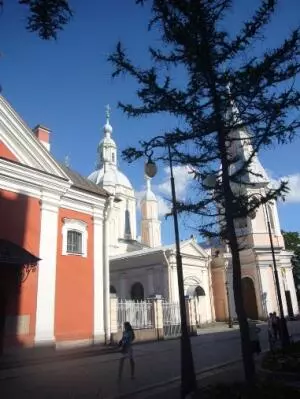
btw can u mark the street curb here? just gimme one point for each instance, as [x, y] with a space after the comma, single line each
[175, 380]
[91, 351]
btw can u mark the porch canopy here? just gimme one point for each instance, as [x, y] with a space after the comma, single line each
[14, 254]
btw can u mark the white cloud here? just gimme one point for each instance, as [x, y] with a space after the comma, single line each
[163, 189]
[164, 206]
[182, 179]
[293, 195]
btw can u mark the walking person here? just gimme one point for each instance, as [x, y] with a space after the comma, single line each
[271, 334]
[275, 325]
[126, 350]
[254, 338]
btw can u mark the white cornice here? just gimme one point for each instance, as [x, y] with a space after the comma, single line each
[26, 146]
[24, 180]
[20, 174]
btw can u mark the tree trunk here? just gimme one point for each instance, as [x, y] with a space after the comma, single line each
[249, 366]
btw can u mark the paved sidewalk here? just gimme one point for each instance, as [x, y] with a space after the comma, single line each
[227, 374]
[35, 356]
[158, 369]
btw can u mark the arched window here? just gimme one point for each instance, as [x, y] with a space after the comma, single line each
[75, 236]
[113, 157]
[74, 242]
[137, 292]
[199, 291]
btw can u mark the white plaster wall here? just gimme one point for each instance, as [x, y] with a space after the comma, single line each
[282, 291]
[45, 312]
[269, 289]
[152, 279]
[98, 277]
[193, 275]
[291, 287]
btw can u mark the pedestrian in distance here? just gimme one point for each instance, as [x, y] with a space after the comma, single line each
[254, 337]
[271, 333]
[126, 350]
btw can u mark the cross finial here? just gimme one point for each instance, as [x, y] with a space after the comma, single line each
[107, 112]
[67, 161]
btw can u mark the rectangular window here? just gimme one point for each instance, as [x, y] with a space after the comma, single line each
[74, 242]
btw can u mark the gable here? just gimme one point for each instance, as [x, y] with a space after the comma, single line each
[23, 146]
[191, 248]
[6, 153]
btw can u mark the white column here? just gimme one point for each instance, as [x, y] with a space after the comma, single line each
[123, 292]
[45, 312]
[98, 277]
[175, 290]
[150, 278]
[106, 292]
[291, 287]
[282, 290]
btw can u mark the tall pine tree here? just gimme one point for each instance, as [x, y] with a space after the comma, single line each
[225, 88]
[45, 17]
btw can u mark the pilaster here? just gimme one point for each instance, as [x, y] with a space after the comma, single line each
[45, 312]
[98, 276]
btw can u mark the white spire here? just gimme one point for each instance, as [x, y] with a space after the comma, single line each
[107, 127]
[149, 194]
[151, 232]
[241, 146]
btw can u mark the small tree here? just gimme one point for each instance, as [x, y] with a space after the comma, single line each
[46, 17]
[213, 120]
[292, 243]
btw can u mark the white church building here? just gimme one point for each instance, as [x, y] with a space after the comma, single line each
[68, 242]
[141, 269]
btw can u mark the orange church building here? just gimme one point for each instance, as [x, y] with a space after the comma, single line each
[53, 258]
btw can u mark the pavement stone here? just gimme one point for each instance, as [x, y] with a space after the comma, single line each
[96, 376]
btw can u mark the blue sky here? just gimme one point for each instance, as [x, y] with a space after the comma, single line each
[66, 84]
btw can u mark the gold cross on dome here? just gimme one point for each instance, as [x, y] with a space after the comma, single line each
[107, 112]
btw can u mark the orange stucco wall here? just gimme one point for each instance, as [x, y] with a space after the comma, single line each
[219, 293]
[20, 223]
[74, 302]
[6, 153]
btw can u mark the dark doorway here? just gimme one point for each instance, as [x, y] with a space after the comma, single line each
[249, 298]
[137, 292]
[2, 319]
[112, 290]
[9, 298]
[289, 304]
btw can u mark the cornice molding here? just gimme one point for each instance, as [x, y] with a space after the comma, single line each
[25, 145]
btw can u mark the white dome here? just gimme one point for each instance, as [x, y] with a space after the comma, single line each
[114, 176]
[107, 128]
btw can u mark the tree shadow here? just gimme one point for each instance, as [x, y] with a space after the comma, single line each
[19, 240]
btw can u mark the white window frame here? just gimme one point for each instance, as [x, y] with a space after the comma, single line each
[80, 227]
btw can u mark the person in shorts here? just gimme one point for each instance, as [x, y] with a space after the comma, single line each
[126, 349]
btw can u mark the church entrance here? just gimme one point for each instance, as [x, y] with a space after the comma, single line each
[249, 297]
[9, 298]
[137, 292]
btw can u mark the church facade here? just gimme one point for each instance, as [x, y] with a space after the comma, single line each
[68, 242]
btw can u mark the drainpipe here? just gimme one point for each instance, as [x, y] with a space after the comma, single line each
[106, 277]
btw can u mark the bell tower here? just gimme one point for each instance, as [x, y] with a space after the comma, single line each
[151, 230]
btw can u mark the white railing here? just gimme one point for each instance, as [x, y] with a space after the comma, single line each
[138, 313]
[171, 319]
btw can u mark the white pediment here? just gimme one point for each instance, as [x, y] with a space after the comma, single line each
[191, 248]
[21, 142]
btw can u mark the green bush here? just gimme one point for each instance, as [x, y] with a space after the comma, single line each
[283, 360]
